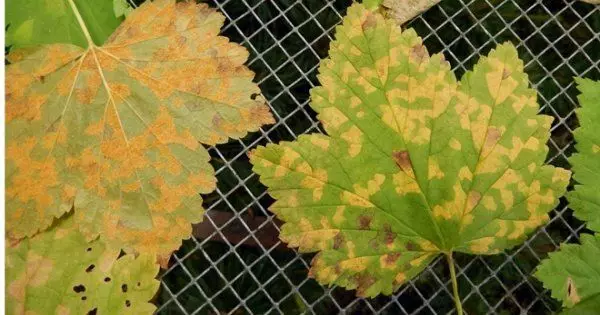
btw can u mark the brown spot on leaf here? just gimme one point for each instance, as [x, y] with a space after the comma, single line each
[90, 268]
[418, 53]
[364, 282]
[572, 295]
[107, 279]
[338, 269]
[506, 73]
[124, 288]
[364, 222]
[410, 246]
[402, 159]
[493, 134]
[389, 235]
[338, 240]
[370, 22]
[93, 311]
[127, 303]
[392, 258]
[474, 198]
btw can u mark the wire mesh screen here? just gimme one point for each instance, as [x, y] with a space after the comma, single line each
[235, 264]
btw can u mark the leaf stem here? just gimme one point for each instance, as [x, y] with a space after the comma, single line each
[457, 302]
[86, 33]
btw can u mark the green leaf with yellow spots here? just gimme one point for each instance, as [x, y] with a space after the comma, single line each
[117, 130]
[415, 164]
[573, 273]
[59, 272]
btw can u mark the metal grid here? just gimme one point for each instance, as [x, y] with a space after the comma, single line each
[557, 39]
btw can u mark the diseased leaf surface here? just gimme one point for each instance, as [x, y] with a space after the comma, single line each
[573, 273]
[35, 22]
[415, 163]
[59, 272]
[115, 129]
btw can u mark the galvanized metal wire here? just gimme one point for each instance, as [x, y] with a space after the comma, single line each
[557, 39]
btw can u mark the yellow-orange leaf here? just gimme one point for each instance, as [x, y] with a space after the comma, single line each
[116, 130]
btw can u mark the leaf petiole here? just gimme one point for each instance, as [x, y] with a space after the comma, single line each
[450, 260]
[86, 33]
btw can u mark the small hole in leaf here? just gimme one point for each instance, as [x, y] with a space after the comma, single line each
[106, 279]
[83, 298]
[127, 303]
[90, 268]
[79, 288]
[93, 312]
[124, 288]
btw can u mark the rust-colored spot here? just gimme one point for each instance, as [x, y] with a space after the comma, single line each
[473, 200]
[392, 258]
[492, 137]
[572, 295]
[370, 22]
[364, 222]
[418, 53]
[402, 159]
[506, 73]
[338, 240]
[364, 282]
[389, 235]
[410, 246]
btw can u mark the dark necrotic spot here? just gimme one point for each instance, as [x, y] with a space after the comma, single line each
[83, 298]
[106, 279]
[139, 284]
[89, 249]
[254, 96]
[93, 311]
[127, 303]
[124, 288]
[338, 240]
[79, 288]
[90, 268]
[364, 222]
